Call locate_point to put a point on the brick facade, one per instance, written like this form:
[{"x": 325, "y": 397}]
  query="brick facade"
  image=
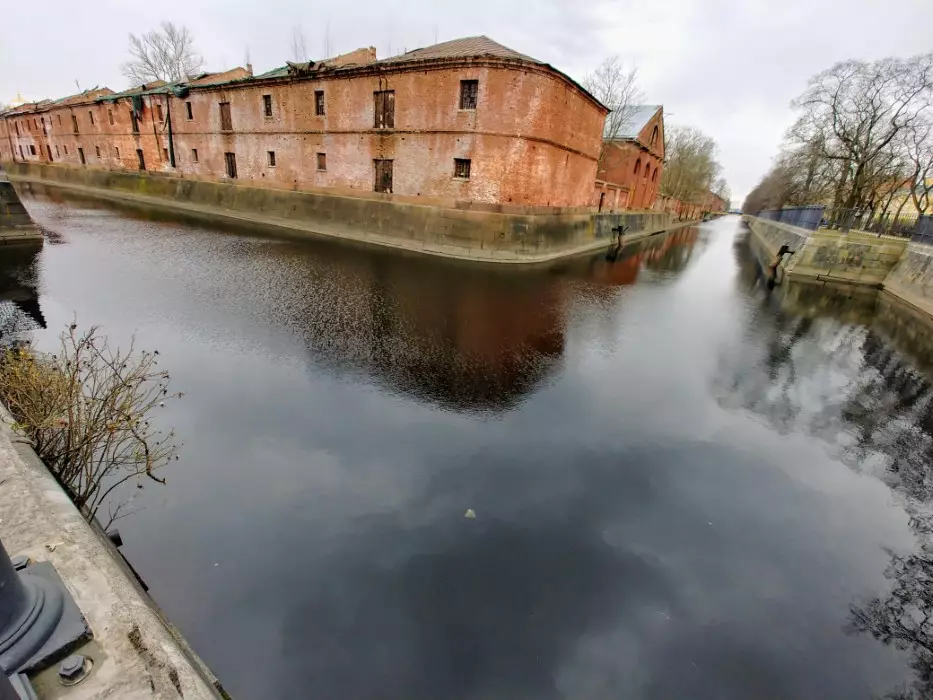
[
  {"x": 531, "y": 139},
  {"x": 633, "y": 167}
]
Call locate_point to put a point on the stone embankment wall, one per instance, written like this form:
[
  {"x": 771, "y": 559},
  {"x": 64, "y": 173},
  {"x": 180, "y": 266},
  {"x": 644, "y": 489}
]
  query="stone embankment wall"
[
  {"x": 486, "y": 233},
  {"x": 15, "y": 224},
  {"x": 903, "y": 270}
]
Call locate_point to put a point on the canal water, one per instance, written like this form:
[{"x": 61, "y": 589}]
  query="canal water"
[{"x": 681, "y": 488}]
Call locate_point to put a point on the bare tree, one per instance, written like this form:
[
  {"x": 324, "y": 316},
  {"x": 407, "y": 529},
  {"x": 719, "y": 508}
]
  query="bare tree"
[
  {"x": 299, "y": 45},
  {"x": 920, "y": 154},
  {"x": 692, "y": 169},
  {"x": 167, "y": 53},
  {"x": 616, "y": 86}
]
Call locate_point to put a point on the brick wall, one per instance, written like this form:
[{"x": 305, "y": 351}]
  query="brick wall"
[
  {"x": 636, "y": 165},
  {"x": 533, "y": 139}
]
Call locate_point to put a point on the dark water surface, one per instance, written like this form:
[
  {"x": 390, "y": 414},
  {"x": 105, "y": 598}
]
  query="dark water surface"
[{"x": 681, "y": 490}]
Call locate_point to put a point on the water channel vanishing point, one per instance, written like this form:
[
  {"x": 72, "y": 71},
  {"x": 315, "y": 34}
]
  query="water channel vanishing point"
[{"x": 681, "y": 488}]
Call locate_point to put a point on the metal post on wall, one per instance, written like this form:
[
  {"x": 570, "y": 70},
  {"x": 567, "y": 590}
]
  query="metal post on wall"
[{"x": 40, "y": 622}]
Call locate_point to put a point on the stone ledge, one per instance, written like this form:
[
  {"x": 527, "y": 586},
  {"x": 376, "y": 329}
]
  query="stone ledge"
[{"x": 136, "y": 654}]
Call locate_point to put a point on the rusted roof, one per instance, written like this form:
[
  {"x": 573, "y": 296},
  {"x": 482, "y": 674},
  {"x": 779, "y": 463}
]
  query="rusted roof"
[{"x": 468, "y": 47}]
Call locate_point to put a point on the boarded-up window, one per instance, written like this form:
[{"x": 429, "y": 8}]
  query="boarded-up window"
[
  {"x": 383, "y": 181},
  {"x": 462, "y": 168},
  {"x": 110, "y": 116},
  {"x": 267, "y": 105},
  {"x": 159, "y": 112},
  {"x": 384, "y": 110},
  {"x": 134, "y": 121},
  {"x": 194, "y": 154},
  {"x": 74, "y": 122},
  {"x": 319, "y": 103},
  {"x": 81, "y": 156},
  {"x": 90, "y": 115},
  {"x": 322, "y": 161},
  {"x": 141, "y": 159},
  {"x": 270, "y": 158},
  {"x": 230, "y": 160},
  {"x": 188, "y": 112},
  {"x": 226, "y": 122},
  {"x": 469, "y": 90}
]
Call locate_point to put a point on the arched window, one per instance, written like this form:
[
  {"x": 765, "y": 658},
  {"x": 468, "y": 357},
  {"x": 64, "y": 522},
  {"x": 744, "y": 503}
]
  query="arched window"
[
  {"x": 647, "y": 171},
  {"x": 654, "y": 178},
  {"x": 637, "y": 166},
  {"x": 654, "y": 137}
]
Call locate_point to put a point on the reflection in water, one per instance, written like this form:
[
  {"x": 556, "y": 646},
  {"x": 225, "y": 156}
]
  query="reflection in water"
[
  {"x": 667, "y": 253},
  {"x": 19, "y": 291},
  {"x": 850, "y": 385}
]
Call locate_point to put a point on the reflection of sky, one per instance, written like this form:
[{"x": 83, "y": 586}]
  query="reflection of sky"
[{"x": 645, "y": 528}]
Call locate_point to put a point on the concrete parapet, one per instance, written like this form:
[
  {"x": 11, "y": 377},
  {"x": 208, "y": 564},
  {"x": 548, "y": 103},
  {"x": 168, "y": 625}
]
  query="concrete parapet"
[
  {"x": 507, "y": 236},
  {"x": 15, "y": 224},
  {"x": 136, "y": 655}
]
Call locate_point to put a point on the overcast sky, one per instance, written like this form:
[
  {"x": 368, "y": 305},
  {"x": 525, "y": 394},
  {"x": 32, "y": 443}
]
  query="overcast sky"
[{"x": 729, "y": 67}]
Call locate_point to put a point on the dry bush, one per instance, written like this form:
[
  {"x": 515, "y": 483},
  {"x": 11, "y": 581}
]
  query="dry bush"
[{"x": 86, "y": 411}]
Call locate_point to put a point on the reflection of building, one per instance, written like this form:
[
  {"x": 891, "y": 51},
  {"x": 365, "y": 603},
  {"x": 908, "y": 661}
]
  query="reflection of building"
[
  {"x": 670, "y": 251},
  {"x": 464, "y": 338}
]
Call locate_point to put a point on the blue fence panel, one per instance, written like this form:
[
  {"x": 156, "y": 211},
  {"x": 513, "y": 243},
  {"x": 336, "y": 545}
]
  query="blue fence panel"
[{"x": 804, "y": 217}]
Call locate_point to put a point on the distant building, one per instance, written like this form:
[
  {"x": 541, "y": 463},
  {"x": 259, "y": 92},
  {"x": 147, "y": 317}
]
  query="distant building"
[
  {"x": 467, "y": 120},
  {"x": 631, "y": 164}
]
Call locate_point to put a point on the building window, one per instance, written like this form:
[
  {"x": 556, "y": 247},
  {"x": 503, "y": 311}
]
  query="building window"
[
  {"x": 383, "y": 182},
  {"x": 654, "y": 137},
  {"x": 164, "y": 154},
  {"x": 194, "y": 155},
  {"x": 97, "y": 150},
  {"x": 57, "y": 151},
  {"x": 90, "y": 115},
  {"x": 384, "y": 110},
  {"x": 230, "y": 160},
  {"x": 141, "y": 159},
  {"x": 32, "y": 150},
  {"x": 159, "y": 112},
  {"x": 81, "y": 156},
  {"x": 647, "y": 170},
  {"x": 59, "y": 119},
  {"x": 21, "y": 153},
  {"x": 66, "y": 149},
  {"x": 74, "y": 122},
  {"x": 270, "y": 158},
  {"x": 134, "y": 121},
  {"x": 16, "y": 126},
  {"x": 654, "y": 178},
  {"x": 226, "y": 122},
  {"x": 49, "y": 149},
  {"x": 469, "y": 90},
  {"x": 117, "y": 152},
  {"x": 188, "y": 111},
  {"x": 267, "y": 105},
  {"x": 319, "y": 103},
  {"x": 462, "y": 168},
  {"x": 637, "y": 166},
  {"x": 110, "y": 116},
  {"x": 322, "y": 161}
]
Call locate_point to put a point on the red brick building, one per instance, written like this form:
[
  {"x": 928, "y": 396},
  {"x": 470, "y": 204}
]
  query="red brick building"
[
  {"x": 631, "y": 164},
  {"x": 467, "y": 120}
]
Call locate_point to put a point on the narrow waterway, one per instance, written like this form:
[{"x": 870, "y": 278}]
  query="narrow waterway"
[{"x": 681, "y": 488}]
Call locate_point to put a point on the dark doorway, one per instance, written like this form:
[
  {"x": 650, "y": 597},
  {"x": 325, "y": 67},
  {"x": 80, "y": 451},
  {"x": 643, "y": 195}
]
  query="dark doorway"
[{"x": 142, "y": 160}]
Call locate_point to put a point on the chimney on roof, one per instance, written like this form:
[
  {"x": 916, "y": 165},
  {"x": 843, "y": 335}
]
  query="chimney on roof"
[{"x": 249, "y": 69}]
